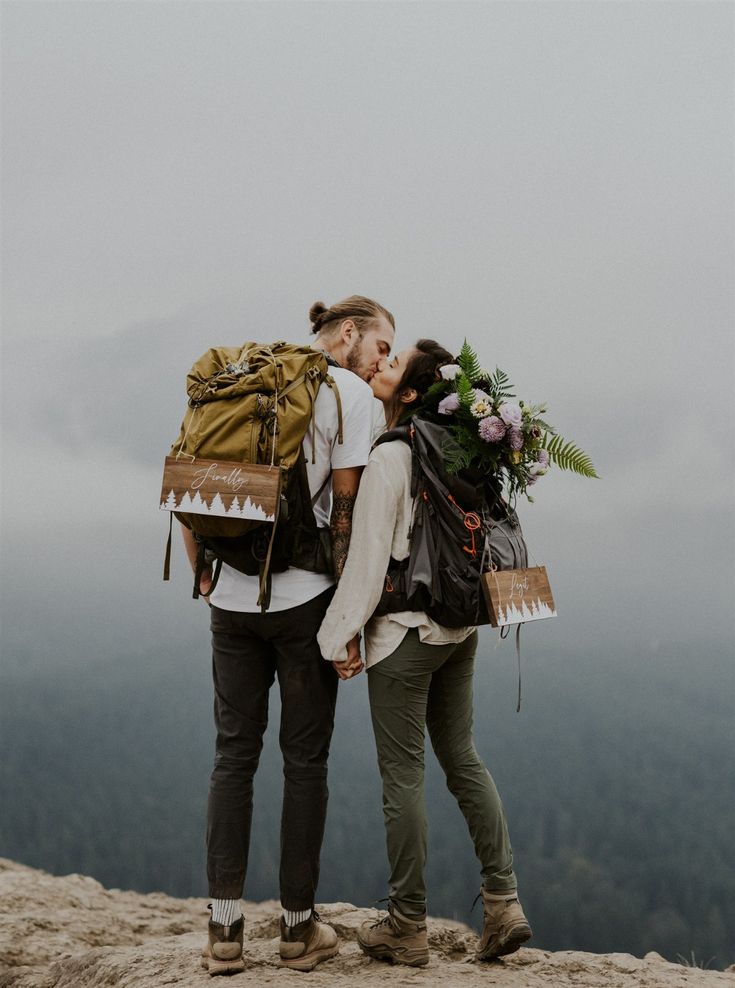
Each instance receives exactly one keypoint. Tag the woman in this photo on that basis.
(419, 675)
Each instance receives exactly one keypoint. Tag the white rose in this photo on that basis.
(450, 371)
(511, 413)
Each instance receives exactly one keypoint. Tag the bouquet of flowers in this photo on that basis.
(495, 434)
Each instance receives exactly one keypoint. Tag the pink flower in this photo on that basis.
(515, 438)
(491, 429)
(511, 414)
(449, 404)
(543, 457)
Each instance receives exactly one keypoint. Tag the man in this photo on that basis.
(250, 649)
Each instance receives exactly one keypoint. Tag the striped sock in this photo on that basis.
(292, 918)
(225, 911)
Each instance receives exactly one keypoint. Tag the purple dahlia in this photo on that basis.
(515, 438)
(491, 429)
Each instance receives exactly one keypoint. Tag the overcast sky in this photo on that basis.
(552, 180)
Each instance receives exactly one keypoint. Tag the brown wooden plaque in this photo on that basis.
(515, 596)
(220, 488)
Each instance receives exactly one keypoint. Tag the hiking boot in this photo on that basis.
(222, 954)
(304, 946)
(505, 929)
(396, 938)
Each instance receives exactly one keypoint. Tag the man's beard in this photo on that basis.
(353, 360)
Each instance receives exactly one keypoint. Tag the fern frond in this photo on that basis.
(469, 363)
(500, 386)
(457, 460)
(465, 391)
(457, 452)
(567, 456)
(500, 379)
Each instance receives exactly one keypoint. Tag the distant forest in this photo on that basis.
(617, 776)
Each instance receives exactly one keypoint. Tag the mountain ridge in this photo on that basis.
(71, 932)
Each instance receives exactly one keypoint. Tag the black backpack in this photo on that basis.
(461, 528)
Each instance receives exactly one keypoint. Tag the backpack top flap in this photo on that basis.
(229, 372)
(244, 399)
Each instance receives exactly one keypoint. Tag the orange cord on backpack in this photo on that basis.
(472, 523)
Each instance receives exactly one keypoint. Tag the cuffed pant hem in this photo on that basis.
(409, 910)
(296, 905)
(225, 891)
(497, 888)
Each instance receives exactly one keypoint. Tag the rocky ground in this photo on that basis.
(70, 932)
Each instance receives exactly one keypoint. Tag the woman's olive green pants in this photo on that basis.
(430, 686)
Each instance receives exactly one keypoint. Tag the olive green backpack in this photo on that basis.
(254, 404)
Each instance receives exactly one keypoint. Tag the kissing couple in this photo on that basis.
(419, 674)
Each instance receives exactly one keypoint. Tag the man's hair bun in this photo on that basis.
(316, 312)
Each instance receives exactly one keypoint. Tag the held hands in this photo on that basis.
(353, 664)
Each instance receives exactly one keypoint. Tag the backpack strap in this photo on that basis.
(402, 432)
(264, 595)
(319, 493)
(330, 359)
(332, 385)
(167, 556)
(329, 380)
(264, 586)
(518, 655)
(506, 629)
(201, 562)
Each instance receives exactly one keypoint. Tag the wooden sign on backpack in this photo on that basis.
(220, 488)
(514, 596)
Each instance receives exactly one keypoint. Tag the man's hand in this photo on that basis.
(205, 583)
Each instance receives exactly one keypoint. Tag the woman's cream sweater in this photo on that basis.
(380, 526)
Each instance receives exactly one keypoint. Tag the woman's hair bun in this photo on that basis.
(317, 311)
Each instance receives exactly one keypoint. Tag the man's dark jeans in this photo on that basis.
(248, 652)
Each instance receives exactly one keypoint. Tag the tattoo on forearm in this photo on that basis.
(340, 526)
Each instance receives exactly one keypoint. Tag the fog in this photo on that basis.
(551, 180)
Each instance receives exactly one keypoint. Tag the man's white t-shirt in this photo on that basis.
(361, 412)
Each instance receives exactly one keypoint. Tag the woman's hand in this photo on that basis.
(353, 664)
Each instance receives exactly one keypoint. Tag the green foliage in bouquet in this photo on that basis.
(567, 456)
(469, 363)
(494, 434)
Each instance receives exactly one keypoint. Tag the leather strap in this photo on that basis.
(518, 655)
(167, 556)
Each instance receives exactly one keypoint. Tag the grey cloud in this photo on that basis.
(553, 181)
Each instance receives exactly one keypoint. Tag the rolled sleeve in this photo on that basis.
(363, 577)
